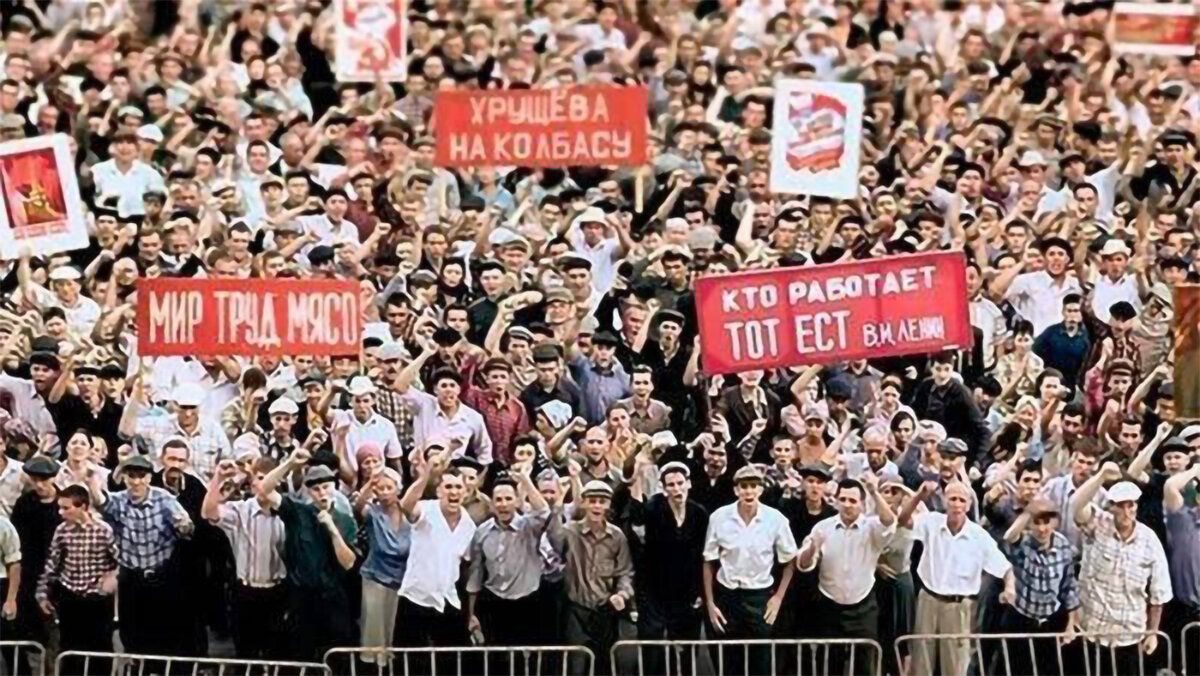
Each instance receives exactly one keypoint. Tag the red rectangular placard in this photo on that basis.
(560, 127)
(828, 313)
(212, 317)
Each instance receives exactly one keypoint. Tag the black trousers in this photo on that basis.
(85, 623)
(155, 618)
(14, 660)
(1022, 656)
(1177, 615)
(667, 619)
(258, 620)
(594, 629)
(513, 622)
(744, 611)
(1104, 661)
(857, 620)
(421, 627)
(319, 619)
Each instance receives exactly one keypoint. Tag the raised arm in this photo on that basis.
(1173, 488)
(1081, 502)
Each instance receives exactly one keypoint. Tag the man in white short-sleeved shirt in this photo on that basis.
(957, 553)
(745, 540)
(430, 609)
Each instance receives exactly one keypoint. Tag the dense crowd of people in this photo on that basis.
(527, 449)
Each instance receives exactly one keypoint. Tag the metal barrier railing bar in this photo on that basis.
(125, 664)
(1189, 640)
(799, 657)
(15, 658)
(1046, 654)
(462, 661)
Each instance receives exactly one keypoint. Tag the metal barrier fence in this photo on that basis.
(1033, 654)
(16, 654)
(468, 661)
(1189, 646)
(799, 657)
(124, 664)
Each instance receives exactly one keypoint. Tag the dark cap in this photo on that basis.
(138, 464)
(41, 467)
(497, 364)
(815, 471)
(605, 338)
(312, 376)
(838, 389)
(1049, 242)
(545, 352)
(446, 336)
(318, 474)
(952, 447)
(320, 254)
(670, 316)
(1171, 445)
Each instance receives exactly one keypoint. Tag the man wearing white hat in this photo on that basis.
(1124, 580)
(1114, 283)
(589, 235)
(207, 439)
(82, 312)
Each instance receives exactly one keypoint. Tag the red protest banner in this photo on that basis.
(827, 313)
(213, 317)
(561, 127)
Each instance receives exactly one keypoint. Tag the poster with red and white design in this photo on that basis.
(815, 138)
(1156, 29)
(372, 40)
(242, 317)
(42, 209)
(823, 314)
(559, 127)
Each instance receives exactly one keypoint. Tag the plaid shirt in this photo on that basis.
(1120, 579)
(146, 530)
(391, 405)
(1045, 578)
(79, 558)
(208, 443)
(504, 422)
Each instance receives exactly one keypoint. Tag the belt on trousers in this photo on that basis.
(950, 598)
(145, 575)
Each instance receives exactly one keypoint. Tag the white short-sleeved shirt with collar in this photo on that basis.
(435, 556)
(129, 187)
(953, 563)
(848, 556)
(1037, 298)
(748, 551)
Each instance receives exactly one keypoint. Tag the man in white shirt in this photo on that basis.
(430, 611)
(81, 311)
(957, 553)
(366, 425)
(126, 176)
(847, 547)
(1037, 296)
(1115, 283)
(743, 543)
(331, 226)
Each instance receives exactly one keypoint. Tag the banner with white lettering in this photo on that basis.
(815, 138)
(41, 211)
(243, 317)
(829, 313)
(1156, 29)
(371, 40)
(560, 127)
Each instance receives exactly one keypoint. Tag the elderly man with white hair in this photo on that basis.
(957, 553)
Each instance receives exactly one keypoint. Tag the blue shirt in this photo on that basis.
(1045, 578)
(600, 388)
(388, 554)
(1063, 352)
(146, 531)
(1183, 554)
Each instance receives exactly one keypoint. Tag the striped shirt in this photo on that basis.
(1120, 579)
(146, 530)
(256, 536)
(1045, 578)
(81, 554)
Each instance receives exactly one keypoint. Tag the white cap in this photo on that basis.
(1113, 247)
(1124, 491)
(283, 405)
(931, 427)
(360, 385)
(1031, 158)
(150, 132)
(188, 394)
(591, 215)
(65, 273)
(1190, 432)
